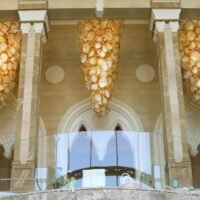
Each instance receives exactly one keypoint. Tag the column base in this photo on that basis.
(22, 176)
(180, 172)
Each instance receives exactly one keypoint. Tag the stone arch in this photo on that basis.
(42, 144)
(192, 124)
(159, 151)
(7, 131)
(81, 113)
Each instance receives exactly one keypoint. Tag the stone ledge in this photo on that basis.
(105, 193)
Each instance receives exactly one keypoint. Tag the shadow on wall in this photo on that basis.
(195, 161)
(5, 170)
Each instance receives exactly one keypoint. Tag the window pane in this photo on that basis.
(125, 149)
(104, 149)
(80, 148)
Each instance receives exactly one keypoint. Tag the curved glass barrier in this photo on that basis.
(104, 159)
(93, 159)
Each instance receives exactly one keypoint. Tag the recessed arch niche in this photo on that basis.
(82, 114)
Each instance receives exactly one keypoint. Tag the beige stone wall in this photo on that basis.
(71, 4)
(115, 3)
(62, 49)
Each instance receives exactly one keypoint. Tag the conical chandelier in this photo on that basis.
(10, 43)
(189, 45)
(100, 44)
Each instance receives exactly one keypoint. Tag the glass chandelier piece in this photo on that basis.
(99, 45)
(189, 46)
(10, 45)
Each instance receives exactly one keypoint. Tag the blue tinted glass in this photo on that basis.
(111, 181)
(125, 151)
(104, 149)
(80, 148)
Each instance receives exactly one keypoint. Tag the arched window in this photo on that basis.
(82, 128)
(118, 127)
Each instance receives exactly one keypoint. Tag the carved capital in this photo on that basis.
(174, 26)
(161, 17)
(194, 141)
(37, 18)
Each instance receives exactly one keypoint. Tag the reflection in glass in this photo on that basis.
(116, 153)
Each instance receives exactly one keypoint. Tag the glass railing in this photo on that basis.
(91, 160)
(109, 156)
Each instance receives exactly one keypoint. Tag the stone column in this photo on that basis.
(34, 26)
(166, 26)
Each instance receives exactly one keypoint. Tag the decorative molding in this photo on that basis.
(145, 73)
(35, 16)
(174, 26)
(159, 125)
(38, 18)
(159, 149)
(193, 136)
(55, 74)
(42, 145)
(159, 17)
(25, 27)
(192, 117)
(165, 14)
(160, 26)
(7, 131)
(38, 27)
(127, 117)
(194, 142)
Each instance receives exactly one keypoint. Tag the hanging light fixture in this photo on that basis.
(189, 46)
(99, 44)
(10, 41)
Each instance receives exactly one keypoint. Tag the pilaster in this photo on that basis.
(34, 27)
(165, 25)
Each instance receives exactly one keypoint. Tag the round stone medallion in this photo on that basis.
(54, 74)
(145, 73)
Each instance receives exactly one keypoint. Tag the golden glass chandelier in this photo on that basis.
(99, 44)
(190, 55)
(10, 40)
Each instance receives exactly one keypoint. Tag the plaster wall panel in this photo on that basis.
(71, 4)
(190, 4)
(62, 49)
(8, 4)
(127, 4)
